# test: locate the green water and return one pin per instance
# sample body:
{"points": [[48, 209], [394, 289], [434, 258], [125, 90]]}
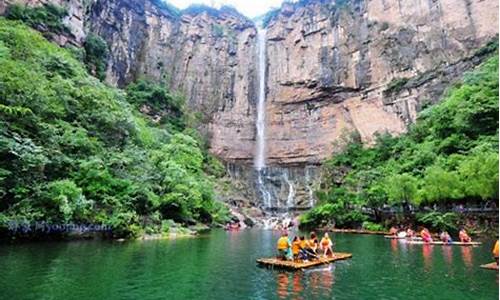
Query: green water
{"points": [[221, 265]]}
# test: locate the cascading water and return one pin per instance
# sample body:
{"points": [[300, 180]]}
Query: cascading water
{"points": [[309, 188], [260, 157], [291, 191], [277, 187]]}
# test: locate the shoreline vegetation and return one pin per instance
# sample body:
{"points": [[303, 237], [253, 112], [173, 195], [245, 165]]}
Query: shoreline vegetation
{"points": [[76, 151], [431, 176]]}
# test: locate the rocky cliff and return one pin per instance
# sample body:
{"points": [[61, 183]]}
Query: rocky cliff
{"points": [[364, 65], [332, 65], [208, 55]]}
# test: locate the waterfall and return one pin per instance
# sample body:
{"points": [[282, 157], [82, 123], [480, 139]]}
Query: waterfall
{"points": [[266, 195], [260, 158], [291, 191], [309, 188]]}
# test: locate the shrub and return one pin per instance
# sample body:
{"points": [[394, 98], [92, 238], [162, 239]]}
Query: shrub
{"points": [[96, 55], [372, 226], [395, 86], [440, 221], [45, 18]]}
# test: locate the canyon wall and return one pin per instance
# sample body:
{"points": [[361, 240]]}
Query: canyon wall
{"points": [[364, 65], [207, 55], [332, 67]]}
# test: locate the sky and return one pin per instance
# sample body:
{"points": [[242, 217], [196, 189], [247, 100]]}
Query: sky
{"points": [[250, 8]]}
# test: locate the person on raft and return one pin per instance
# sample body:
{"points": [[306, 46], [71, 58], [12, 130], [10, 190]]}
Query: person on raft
{"points": [[410, 233], [303, 248], [463, 236], [312, 246], [295, 248], [426, 235], [283, 245], [445, 237], [326, 245], [393, 231], [495, 252]]}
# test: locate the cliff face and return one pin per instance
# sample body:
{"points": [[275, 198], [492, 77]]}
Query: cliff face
{"points": [[364, 65], [333, 66], [207, 55], [77, 12]]}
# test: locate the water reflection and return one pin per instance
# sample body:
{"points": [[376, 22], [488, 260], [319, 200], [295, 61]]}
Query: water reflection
{"points": [[394, 245], [448, 254], [297, 285], [427, 254], [292, 285], [467, 256], [282, 285]]}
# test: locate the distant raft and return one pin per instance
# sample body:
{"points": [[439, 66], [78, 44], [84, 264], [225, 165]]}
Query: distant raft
{"points": [[393, 237], [298, 265], [444, 244], [357, 231], [490, 266]]}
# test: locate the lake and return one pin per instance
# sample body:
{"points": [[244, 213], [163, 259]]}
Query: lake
{"points": [[221, 265]]}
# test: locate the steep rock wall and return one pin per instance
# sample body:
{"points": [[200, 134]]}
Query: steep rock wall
{"points": [[331, 66], [207, 56], [77, 12]]}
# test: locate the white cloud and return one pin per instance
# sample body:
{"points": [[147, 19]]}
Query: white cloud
{"points": [[250, 8]]}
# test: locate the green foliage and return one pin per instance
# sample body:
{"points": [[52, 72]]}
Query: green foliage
{"points": [[74, 150], [441, 185], [395, 86], [46, 18], [217, 30], [163, 4], [269, 16], [159, 102], [440, 221], [96, 55], [449, 155], [479, 175], [401, 188], [214, 167], [68, 200], [337, 207], [367, 225], [196, 9]]}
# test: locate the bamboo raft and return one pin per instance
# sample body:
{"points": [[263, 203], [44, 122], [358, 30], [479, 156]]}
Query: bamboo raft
{"points": [[357, 231], [490, 266], [444, 244], [392, 237], [299, 265]]}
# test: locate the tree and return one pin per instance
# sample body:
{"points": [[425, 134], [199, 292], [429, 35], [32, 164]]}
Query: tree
{"points": [[401, 188], [441, 185], [447, 221], [479, 174], [96, 55]]}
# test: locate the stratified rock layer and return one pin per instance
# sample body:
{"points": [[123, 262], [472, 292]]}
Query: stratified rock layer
{"points": [[330, 67]]}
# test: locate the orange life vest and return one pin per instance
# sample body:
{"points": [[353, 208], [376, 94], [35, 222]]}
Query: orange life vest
{"points": [[325, 242], [295, 247], [283, 243]]}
